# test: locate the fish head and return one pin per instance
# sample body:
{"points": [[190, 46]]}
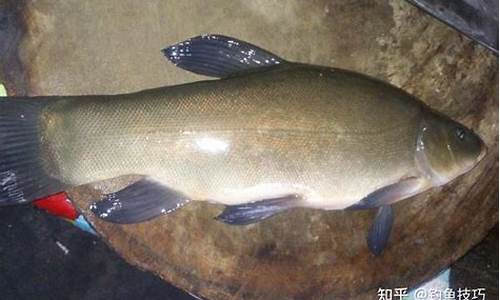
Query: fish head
{"points": [[447, 149]]}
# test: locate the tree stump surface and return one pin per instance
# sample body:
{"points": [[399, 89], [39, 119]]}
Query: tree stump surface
{"points": [[66, 47]]}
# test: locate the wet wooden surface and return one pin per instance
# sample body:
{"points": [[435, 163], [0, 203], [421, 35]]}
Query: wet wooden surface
{"points": [[479, 267], [93, 47]]}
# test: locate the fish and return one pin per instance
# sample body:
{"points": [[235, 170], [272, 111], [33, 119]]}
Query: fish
{"points": [[264, 137]]}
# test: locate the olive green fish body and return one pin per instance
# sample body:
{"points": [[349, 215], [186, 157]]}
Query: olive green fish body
{"points": [[329, 135], [268, 136]]}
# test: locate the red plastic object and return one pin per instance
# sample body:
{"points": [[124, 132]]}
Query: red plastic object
{"points": [[57, 204]]}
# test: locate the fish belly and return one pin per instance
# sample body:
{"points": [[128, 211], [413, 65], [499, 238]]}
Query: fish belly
{"points": [[328, 171]]}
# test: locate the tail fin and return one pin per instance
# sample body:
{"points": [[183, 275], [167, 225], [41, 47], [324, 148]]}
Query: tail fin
{"points": [[22, 176]]}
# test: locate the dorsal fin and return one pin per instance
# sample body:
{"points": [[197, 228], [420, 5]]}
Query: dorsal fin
{"points": [[219, 56]]}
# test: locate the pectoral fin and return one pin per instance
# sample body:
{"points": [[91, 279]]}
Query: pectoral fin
{"points": [[219, 56], [390, 194], [249, 213], [379, 233], [138, 202]]}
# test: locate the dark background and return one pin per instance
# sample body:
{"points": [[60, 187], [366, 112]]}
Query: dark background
{"points": [[33, 266]]}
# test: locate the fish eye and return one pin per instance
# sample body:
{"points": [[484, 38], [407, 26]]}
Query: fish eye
{"points": [[460, 133]]}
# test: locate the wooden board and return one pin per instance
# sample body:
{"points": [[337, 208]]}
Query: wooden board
{"points": [[60, 47]]}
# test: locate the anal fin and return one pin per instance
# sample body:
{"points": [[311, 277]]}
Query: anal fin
{"points": [[138, 202], [248, 213]]}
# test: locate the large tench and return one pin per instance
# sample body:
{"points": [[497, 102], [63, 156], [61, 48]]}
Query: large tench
{"points": [[270, 135]]}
